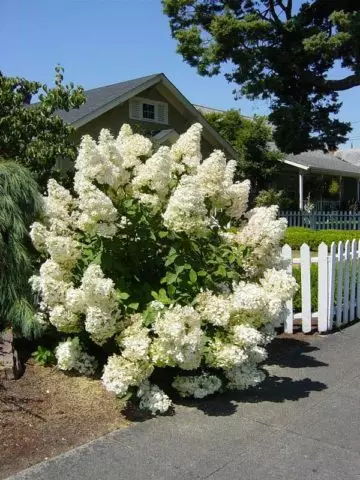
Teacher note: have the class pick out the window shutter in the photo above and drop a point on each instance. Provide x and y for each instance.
(135, 109)
(162, 113)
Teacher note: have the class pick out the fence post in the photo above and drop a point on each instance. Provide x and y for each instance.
(358, 281)
(353, 279)
(339, 305)
(331, 284)
(346, 281)
(289, 321)
(305, 287)
(322, 287)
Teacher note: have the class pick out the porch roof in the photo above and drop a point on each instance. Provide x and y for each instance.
(323, 163)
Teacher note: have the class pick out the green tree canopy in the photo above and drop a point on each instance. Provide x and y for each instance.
(34, 135)
(281, 51)
(257, 161)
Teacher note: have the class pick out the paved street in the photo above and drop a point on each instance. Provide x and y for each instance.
(303, 423)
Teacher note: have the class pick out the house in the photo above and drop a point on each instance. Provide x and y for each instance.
(312, 173)
(151, 104)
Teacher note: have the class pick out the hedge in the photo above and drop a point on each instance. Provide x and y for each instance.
(296, 236)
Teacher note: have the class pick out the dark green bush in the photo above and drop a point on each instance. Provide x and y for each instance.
(296, 236)
(314, 288)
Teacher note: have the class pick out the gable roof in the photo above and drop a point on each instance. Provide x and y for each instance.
(320, 162)
(97, 98)
(102, 99)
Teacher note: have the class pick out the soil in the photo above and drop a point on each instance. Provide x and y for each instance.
(46, 412)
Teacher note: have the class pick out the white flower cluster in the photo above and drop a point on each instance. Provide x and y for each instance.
(179, 338)
(197, 386)
(120, 374)
(152, 398)
(70, 356)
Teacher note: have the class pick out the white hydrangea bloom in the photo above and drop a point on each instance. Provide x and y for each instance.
(197, 386)
(98, 290)
(257, 354)
(210, 176)
(244, 376)
(214, 309)
(224, 355)
(52, 283)
(268, 333)
(75, 300)
(152, 398)
(95, 209)
(154, 174)
(186, 149)
(38, 235)
(64, 320)
(100, 324)
(135, 340)
(121, 373)
(58, 202)
(238, 197)
(131, 147)
(263, 234)
(279, 283)
(63, 250)
(249, 296)
(186, 210)
(179, 338)
(70, 356)
(246, 336)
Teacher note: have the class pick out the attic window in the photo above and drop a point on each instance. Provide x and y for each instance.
(148, 110)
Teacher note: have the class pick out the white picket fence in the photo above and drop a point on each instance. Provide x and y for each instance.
(338, 286)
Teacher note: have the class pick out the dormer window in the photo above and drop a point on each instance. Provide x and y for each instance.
(148, 110)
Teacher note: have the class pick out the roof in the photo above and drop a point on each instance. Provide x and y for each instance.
(98, 97)
(325, 163)
(205, 110)
(351, 155)
(102, 99)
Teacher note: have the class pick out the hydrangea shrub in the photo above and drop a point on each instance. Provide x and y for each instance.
(153, 262)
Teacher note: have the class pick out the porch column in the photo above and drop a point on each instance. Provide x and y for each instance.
(301, 191)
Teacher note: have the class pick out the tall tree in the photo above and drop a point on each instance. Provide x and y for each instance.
(257, 160)
(34, 135)
(281, 51)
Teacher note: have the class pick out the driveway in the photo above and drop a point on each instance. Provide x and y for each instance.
(303, 423)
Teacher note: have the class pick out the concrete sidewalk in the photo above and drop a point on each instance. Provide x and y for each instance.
(303, 423)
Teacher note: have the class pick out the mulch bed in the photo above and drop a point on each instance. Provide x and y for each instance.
(46, 412)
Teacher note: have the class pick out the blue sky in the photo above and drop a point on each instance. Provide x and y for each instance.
(100, 42)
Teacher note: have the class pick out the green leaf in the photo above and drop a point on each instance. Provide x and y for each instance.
(201, 273)
(133, 306)
(155, 295)
(163, 234)
(171, 278)
(171, 259)
(192, 276)
(123, 295)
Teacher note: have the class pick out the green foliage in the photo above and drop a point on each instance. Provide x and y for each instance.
(281, 51)
(43, 356)
(250, 138)
(296, 236)
(266, 198)
(334, 187)
(34, 135)
(20, 204)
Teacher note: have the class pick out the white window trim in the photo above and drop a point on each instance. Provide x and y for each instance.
(143, 100)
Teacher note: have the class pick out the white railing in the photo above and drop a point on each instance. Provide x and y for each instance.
(323, 220)
(338, 286)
